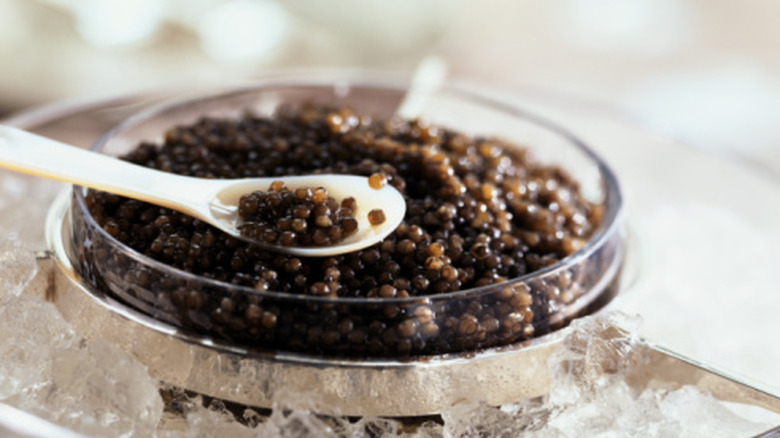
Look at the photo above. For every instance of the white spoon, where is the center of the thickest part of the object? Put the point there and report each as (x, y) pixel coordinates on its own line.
(214, 201)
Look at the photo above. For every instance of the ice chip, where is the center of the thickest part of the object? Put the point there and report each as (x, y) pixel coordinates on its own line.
(97, 383)
(94, 388)
(17, 263)
(596, 352)
(29, 330)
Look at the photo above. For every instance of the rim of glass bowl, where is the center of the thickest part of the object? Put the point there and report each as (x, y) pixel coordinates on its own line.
(609, 225)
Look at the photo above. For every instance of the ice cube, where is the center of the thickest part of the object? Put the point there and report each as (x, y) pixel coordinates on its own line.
(17, 264)
(97, 387)
(90, 386)
(595, 353)
(29, 330)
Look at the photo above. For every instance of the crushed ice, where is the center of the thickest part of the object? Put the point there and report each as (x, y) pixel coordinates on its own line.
(95, 388)
(48, 370)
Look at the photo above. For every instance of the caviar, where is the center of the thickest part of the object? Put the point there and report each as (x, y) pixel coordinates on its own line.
(377, 181)
(303, 217)
(485, 208)
(479, 212)
(376, 216)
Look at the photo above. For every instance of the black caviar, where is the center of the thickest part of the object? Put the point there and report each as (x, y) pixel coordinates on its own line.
(479, 212)
(306, 216)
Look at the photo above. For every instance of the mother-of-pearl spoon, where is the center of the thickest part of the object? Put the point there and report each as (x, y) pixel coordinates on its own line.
(214, 201)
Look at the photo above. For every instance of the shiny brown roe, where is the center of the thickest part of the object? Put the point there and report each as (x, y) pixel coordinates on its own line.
(305, 216)
(479, 211)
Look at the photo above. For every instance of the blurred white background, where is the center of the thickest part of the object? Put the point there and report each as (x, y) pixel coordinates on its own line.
(704, 71)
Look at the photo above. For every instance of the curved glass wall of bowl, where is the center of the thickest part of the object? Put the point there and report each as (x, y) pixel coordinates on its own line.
(588, 277)
(637, 156)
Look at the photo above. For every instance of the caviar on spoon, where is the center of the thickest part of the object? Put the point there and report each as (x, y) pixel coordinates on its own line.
(214, 201)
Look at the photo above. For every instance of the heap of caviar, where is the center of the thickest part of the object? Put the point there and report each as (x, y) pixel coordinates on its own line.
(302, 217)
(479, 211)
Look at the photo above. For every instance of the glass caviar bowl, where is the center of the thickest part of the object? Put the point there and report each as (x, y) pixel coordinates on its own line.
(470, 320)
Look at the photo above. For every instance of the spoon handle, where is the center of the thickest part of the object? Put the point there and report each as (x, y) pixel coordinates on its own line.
(32, 154)
(427, 79)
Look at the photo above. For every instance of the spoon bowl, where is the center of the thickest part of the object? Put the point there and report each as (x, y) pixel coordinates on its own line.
(223, 208)
(214, 201)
